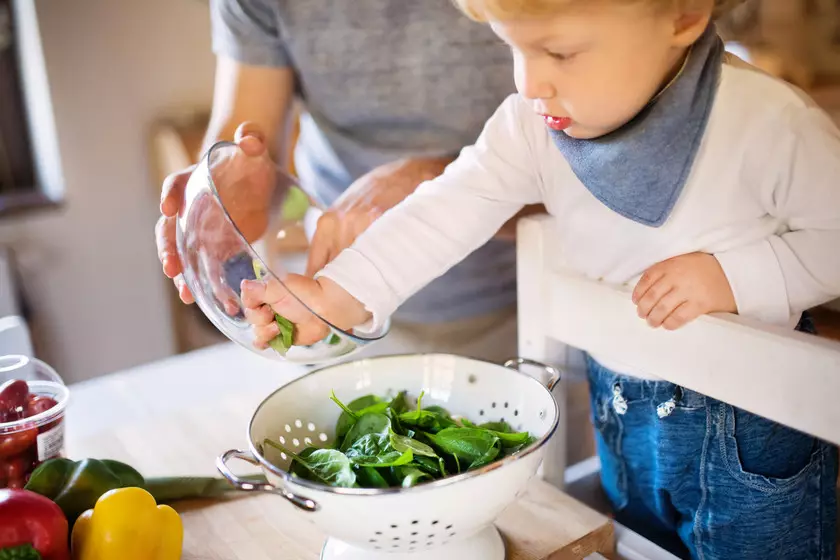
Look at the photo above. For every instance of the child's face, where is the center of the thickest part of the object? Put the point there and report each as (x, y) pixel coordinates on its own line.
(592, 69)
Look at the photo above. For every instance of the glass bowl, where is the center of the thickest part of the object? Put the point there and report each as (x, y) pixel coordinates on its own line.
(243, 217)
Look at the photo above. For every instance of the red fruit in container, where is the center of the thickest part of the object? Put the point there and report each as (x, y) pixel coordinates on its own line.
(13, 416)
(14, 470)
(13, 396)
(17, 483)
(37, 392)
(16, 467)
(15, 443)
(36, 404)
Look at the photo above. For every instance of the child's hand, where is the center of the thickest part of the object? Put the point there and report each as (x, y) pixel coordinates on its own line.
(677, 291)
(263, 298)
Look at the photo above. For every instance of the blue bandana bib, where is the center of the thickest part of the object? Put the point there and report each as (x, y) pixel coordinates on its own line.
(640, 169)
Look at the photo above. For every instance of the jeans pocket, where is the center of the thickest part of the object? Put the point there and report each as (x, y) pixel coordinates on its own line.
(765, 455)
(609, 432)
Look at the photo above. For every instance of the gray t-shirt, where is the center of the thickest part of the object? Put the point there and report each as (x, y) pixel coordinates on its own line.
(382, 80)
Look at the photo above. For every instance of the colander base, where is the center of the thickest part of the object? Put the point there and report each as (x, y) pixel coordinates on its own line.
(484, 545)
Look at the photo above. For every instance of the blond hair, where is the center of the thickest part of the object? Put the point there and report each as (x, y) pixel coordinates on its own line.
(482, 10)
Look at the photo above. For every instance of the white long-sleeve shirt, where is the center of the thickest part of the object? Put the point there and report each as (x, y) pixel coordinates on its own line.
(763, 196)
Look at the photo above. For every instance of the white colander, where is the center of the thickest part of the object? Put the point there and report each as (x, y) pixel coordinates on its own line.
(448, 519)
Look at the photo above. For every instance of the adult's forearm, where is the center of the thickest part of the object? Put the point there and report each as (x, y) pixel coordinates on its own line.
(262, 96)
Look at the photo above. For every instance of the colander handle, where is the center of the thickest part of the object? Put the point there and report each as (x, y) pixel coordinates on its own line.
(553, 372)
(247, 486)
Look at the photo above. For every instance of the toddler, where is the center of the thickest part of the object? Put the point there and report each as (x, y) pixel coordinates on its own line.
(665, 162)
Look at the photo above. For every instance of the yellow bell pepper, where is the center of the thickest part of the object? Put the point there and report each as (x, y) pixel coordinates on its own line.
(127, 524)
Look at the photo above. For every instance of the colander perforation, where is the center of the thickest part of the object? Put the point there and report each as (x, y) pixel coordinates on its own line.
(397, 537)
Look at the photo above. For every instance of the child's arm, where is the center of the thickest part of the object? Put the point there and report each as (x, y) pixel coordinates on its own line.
(773, 280)
(418, 240)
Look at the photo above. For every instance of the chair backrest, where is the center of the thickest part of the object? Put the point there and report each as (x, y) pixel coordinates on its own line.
(14, 336)
(790, 377)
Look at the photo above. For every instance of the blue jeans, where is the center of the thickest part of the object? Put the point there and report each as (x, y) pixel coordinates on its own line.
(706, 480)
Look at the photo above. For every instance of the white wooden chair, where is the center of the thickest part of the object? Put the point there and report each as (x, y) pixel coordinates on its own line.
(722, 356)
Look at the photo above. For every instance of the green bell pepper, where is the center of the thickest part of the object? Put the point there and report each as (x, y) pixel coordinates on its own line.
(76, 485)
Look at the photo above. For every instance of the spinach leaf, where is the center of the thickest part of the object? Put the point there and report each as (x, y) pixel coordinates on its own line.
(351, 412)
(389, 459)
(283, 341)
(384, 447)
(415, 412)
(507, 435)
(347, 410)
(422, 419)
(502, 427)
(514, 439)
(399, 404)
(330, 466)
(488, 457)
(375, 450)
(439, 410)
(411, 476)
(297, 469)
(467, 444)
(403, 443)
(382, 443)
(430, 466)
(513, 450)
(369, 423)
(432, 419)
(369, 477)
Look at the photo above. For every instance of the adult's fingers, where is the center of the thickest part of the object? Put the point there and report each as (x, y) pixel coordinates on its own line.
(172, 191)
(166, 246)
(320, 248)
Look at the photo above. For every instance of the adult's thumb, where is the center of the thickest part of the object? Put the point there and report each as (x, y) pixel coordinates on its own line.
(250, 138)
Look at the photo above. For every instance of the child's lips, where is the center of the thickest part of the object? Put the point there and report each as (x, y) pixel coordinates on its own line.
(557, 123)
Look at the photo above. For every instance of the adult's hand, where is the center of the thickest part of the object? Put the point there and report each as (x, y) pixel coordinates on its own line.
(364, 201)
(245, 195)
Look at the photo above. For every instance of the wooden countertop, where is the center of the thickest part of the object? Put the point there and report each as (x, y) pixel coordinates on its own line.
(175, 416)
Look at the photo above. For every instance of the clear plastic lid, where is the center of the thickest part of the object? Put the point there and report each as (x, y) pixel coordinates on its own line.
(41, 381)
(243, 217)
(18, 366)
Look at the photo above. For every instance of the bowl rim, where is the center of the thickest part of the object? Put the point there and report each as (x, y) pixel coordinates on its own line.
(252, 253)
(453, 479)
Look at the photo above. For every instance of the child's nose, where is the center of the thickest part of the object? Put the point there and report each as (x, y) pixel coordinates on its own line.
(532, 83)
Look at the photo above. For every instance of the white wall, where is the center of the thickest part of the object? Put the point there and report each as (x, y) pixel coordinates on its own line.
(90, 269)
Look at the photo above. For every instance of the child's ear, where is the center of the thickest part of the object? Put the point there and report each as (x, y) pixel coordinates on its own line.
(689, 25)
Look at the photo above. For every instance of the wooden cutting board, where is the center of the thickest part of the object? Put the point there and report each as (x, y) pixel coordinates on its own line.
(545, 524)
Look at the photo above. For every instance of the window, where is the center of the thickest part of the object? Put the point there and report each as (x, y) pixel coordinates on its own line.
(20, 187)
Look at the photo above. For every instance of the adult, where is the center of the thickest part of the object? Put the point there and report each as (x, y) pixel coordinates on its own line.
(390, 91)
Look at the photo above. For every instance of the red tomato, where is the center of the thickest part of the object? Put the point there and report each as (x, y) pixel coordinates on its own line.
(16, 443)
(36, 404)
(13, 396)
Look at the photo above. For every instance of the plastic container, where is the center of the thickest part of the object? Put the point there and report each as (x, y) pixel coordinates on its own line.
(33, 399)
